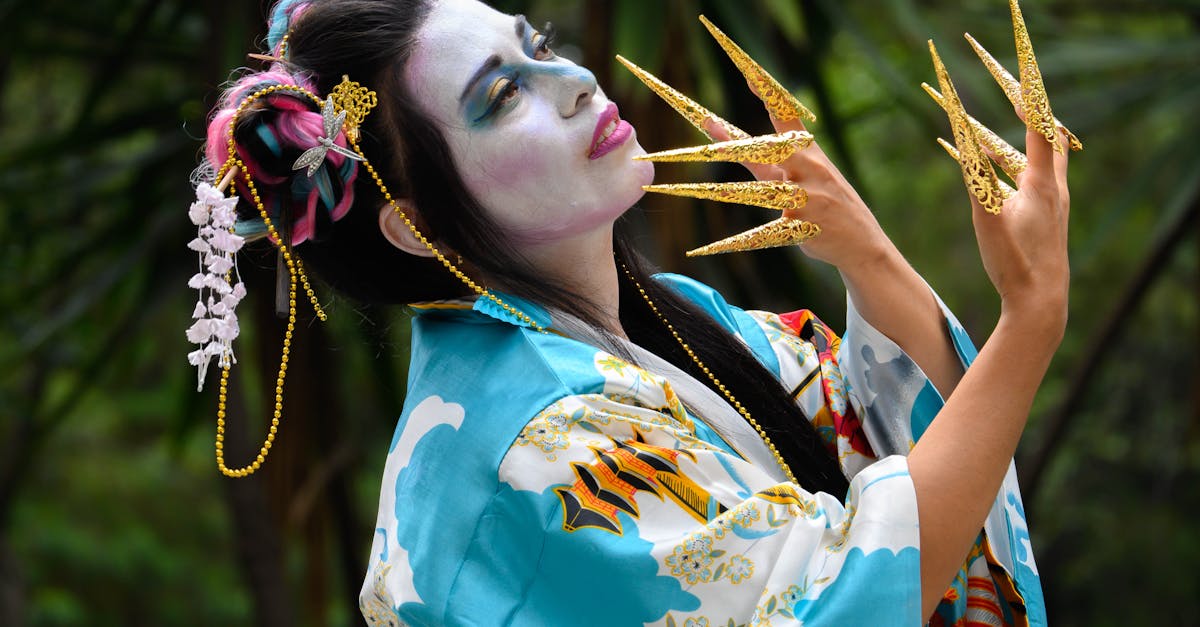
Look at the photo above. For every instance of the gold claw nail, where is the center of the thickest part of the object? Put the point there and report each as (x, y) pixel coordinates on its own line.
(691, 110)
(778, 195)
(1034, 101)
(781, 232)
(780, 102)
(977, 170)
(1011, 160)
(1012, 87)
(768, 149)
(1007, 189)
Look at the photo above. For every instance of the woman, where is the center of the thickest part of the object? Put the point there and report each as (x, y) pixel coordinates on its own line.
(585, 443)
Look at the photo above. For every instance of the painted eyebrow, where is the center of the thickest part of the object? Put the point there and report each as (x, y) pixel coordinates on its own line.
(488, 66)
(520, 25)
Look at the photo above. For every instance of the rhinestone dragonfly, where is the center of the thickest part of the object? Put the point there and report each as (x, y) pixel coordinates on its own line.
(315, 156)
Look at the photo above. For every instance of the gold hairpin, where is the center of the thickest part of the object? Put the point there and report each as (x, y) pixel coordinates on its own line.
(780, 102)
(778, 195)
(1012, 87)
(1011, 160)
(782, 232)
(765, 149)
(691, 110)
(977, 169)
(1034, 100)
(356, 101)
(1005, 188)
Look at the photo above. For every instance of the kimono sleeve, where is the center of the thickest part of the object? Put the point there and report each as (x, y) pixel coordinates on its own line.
(622, 516)
(869, 399)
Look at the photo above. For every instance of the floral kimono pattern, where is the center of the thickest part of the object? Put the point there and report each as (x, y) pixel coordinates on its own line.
(536, 480)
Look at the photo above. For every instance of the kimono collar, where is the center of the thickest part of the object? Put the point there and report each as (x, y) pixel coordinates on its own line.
(468, 307)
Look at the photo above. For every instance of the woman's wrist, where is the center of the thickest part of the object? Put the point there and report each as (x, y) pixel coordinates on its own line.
(1043, 320)
(880, 261)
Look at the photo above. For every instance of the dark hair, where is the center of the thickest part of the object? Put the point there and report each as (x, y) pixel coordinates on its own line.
(370, 40)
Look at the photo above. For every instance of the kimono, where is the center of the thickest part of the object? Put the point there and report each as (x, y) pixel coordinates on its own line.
(534, 479)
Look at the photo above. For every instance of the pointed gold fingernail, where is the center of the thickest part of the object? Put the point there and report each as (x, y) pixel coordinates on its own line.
(977, 170)
(1007, 189)
(1012, 87)
(691, 110)
(780, 102)
(781, 232)
(768, 149)
(778, 195)
(1011, 160)
(1034, 101)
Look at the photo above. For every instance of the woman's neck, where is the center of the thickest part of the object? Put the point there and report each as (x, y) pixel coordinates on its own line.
(584, 264)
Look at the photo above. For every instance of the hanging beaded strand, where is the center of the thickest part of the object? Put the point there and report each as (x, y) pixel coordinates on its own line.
(787, 471)
(296, 274)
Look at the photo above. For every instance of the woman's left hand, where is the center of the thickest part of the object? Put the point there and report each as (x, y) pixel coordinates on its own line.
(850, 236)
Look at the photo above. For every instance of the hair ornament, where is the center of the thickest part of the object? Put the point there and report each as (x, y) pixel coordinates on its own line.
(355, 102)
(315, 156)
(219, 285)
(221, 235)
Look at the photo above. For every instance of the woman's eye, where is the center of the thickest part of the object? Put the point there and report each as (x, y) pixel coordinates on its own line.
(541, 48)
(541, 43)
(507, 93)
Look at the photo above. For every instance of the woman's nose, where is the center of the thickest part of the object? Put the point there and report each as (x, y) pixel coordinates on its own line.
(575, 87)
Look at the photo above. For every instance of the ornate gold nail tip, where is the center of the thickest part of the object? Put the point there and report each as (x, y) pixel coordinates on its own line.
(768, 149)
(1012, 87)
(1007, 189)
(1011, 160)
(781, 232)
(1034, 100)
(691, 110)
(780, 102)
(977, 170)
(778, 195)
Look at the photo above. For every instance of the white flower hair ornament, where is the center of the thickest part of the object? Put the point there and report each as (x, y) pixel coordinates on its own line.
(218, 282)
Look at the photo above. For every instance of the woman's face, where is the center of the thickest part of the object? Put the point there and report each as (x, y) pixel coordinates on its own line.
(535, 139)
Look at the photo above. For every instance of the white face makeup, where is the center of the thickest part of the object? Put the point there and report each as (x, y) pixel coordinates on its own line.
(535, 139)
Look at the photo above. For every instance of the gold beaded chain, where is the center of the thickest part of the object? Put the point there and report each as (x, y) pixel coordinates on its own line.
(787, 471)
(471, 284)
(296, 273)
(295, 270)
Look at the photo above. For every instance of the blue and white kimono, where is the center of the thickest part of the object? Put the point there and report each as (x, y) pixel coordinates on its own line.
(534, 479)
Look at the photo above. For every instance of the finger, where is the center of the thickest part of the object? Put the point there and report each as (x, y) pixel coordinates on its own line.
(1060, 159)
(760, 171)
(1041, 170)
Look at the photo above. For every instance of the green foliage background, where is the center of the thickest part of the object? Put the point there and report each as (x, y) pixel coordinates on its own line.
(111, 512)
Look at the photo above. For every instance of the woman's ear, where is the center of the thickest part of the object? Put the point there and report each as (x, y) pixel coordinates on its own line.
(396, 230)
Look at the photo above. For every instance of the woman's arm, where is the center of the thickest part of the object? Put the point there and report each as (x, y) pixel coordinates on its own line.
(960, 461)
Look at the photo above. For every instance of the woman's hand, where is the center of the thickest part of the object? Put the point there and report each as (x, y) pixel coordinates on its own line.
(850, 237)
(1024, 247)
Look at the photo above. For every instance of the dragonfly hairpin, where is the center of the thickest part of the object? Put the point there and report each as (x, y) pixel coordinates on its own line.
(332, 123)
